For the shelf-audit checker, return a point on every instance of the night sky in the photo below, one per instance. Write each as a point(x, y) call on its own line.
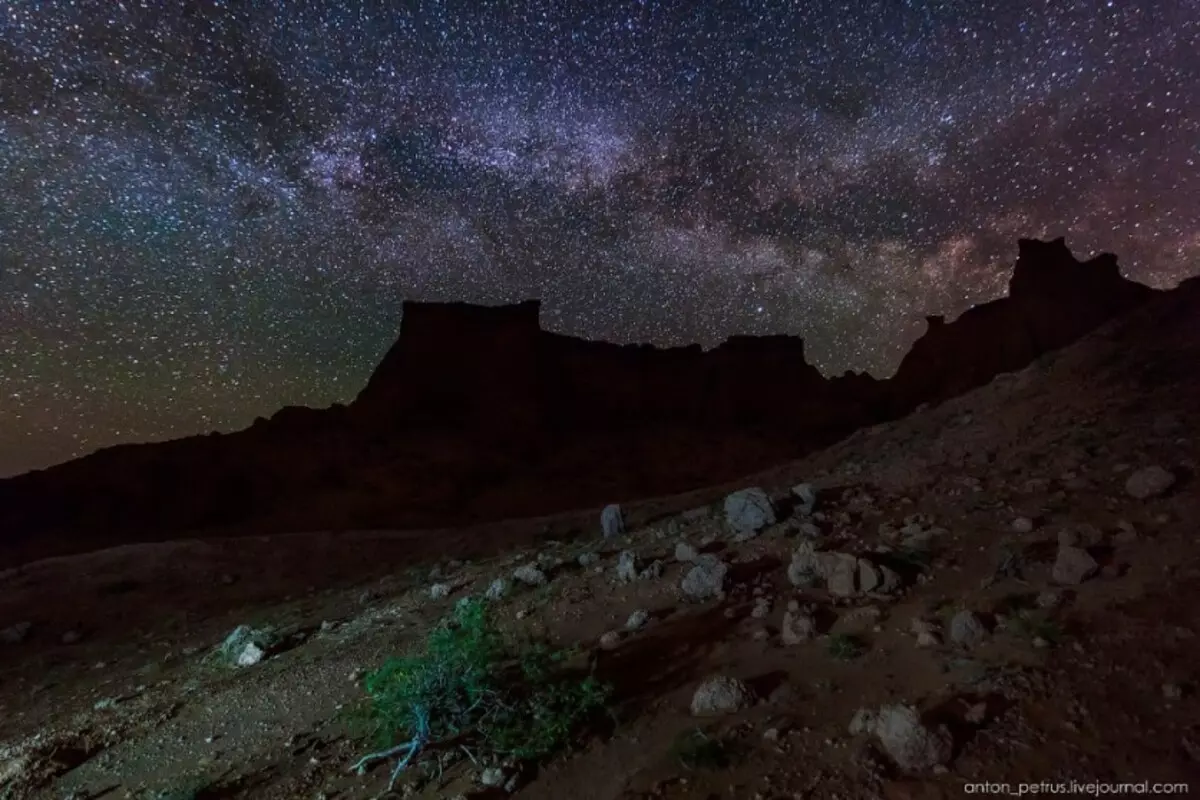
point(209, 210)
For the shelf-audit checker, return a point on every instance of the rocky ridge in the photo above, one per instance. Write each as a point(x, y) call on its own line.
point(476, 415)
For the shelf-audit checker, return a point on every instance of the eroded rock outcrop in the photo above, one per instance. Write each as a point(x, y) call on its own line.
point(478, 414)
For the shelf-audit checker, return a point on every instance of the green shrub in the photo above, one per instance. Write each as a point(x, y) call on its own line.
point(845, 647)
point(470, 687)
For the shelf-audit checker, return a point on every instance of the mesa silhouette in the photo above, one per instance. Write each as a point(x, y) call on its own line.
point(476, 414)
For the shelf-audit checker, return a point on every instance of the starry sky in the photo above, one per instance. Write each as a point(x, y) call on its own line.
point(210, 209)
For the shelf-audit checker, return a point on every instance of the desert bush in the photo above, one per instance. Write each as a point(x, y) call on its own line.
point(469, 686)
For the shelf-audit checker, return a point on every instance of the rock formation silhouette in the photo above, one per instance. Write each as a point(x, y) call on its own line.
point(476, 414)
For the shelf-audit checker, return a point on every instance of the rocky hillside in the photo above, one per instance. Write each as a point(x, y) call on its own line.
point(1000, 588)
point(476, 414)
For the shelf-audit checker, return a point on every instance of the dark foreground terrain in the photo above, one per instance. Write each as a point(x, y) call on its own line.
point(1038, 620)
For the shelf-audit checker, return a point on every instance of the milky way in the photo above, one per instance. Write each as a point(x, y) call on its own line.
point(209, 210)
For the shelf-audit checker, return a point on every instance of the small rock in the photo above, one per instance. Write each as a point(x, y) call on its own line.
point(492, 777)
point(1073, 566)
point(863, 722)
point(497, 589)
point(706, 579)
point(966, 629)
point(809, 530)
point(586, 560)
point(627, 568)
point(913, 746)
point(1172, 691)
point(807, 497)
point(610, 640)
point(529, 575)
point(612, 521)
point(71, 637)
point(439, 591)
point(1149, 482)
point(637, 620)
point(802, 571)
point(685, 552)
point(720, 695)
point(927, 633)
point(797, 627)
point(762, 607)
point(840, 571)
point(250, 655)
point(1022, 525)
point(748, 511)
point(652, 572)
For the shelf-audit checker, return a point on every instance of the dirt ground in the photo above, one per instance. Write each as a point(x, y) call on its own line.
point(110, 691)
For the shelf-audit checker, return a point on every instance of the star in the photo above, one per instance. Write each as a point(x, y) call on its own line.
point(211, 210)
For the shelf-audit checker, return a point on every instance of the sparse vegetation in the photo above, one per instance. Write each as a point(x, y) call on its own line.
point(469, 687)
point(1034, 625)
point(846, 647)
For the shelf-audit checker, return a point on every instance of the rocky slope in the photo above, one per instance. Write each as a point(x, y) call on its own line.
point(476, 414)
point(999, 588)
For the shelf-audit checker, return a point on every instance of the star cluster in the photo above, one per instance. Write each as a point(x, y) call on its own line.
point(210, 209)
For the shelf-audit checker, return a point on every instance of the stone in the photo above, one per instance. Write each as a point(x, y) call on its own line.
point(797, 627)
point(806, 495)
point(719, 695)
point(1022, 525)
point(245, 646)
point(927, 633)
point(652, 572)
point(1149, 482)
point(748, 511)
point(610, 640)
point(840, 571)
point(762, 608)
point(890, 580)
point(612, 521)
point(1073, 566)
point(863, 722)
point(809, 530)
point(967, 629)
point(913, 746)
point(627, 567)
point(637, 620)
point(869, 578)
point(706, 579)
point(250, 655)
point(685, 552)
point(439, 591)
point(492, 777)
point(587, 559)
point(529, 575)
point(802, 571)
point(497, 589)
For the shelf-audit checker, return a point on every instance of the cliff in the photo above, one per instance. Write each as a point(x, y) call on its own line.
point(476, 413)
